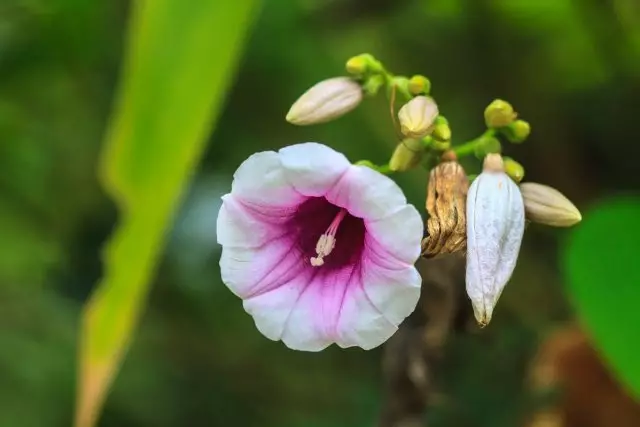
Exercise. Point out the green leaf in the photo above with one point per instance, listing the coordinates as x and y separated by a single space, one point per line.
180 60
604 280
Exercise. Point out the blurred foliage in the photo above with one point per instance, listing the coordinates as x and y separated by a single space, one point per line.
572 68
172 85
604 283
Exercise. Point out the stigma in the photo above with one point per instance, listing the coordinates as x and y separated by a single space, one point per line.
327 241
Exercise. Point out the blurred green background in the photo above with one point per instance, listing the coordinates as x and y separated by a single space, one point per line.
571 68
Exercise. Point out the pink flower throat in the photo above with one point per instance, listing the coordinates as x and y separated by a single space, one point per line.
329 236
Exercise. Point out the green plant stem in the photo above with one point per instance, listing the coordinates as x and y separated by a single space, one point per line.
469 147
383 169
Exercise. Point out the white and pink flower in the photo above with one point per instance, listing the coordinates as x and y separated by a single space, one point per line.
321 251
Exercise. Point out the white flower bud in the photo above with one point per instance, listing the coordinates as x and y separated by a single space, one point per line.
495 227
325 101
417 117
546 205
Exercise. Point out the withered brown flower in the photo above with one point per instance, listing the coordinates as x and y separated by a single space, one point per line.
446 206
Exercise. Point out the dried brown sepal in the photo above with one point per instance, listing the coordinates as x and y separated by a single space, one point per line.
446 206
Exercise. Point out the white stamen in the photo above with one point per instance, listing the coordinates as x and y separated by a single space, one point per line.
327 241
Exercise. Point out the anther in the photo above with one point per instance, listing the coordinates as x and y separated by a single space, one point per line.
327 241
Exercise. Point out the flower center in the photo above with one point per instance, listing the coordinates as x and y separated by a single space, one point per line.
318 226
327 241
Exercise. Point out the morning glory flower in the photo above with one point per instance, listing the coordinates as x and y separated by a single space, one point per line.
321 251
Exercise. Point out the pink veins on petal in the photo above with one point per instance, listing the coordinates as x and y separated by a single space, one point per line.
321 251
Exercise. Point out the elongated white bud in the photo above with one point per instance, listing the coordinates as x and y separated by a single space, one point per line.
546 205
495 227
325 101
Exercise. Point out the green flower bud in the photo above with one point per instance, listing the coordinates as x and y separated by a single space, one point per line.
407 155
499 114
546 205
417 117
440 145
401 85
325 101
441 130
373 84
514 169
488 145
517 131
356 65
419 85
363 63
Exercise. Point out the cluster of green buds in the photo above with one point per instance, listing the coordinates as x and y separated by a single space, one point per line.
488 227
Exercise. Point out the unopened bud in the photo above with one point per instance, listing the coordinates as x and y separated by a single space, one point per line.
446 205
407 155
372 85
325 101
441 130
487 145
419 85
363 63
417 117
356 65
517 131
495 227
546 205
514 169
440 145
400 84
499 114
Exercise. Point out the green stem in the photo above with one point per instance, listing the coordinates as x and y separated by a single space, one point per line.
469 147
383 169
389 80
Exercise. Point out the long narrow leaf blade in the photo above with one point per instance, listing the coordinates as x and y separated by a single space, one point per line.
180 59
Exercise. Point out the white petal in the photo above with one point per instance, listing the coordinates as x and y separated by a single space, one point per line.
395 293
513 236
367 194
399 235
239 225
251 271
271 310
309 327
313 168
361 323
304 309
261 180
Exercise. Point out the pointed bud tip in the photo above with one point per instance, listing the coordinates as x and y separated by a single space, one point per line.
290 117
493 162
325 101
483 317
546 205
